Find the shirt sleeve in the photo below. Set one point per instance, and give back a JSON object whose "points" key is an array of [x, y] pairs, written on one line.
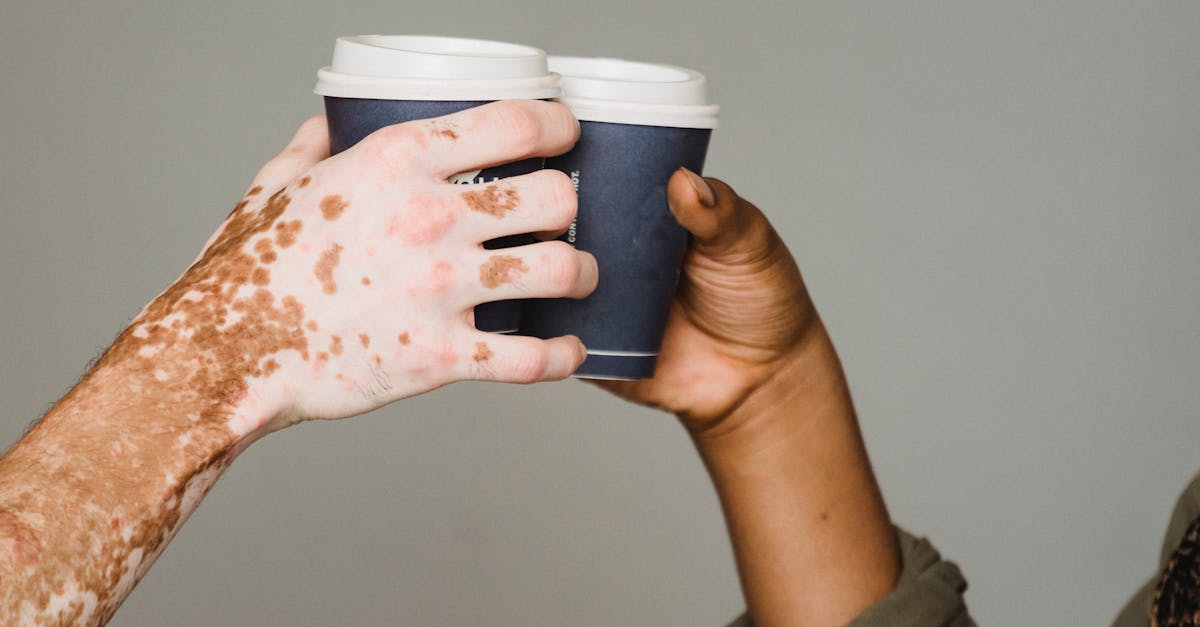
{"points": [[929, 592], [1187, 509]]}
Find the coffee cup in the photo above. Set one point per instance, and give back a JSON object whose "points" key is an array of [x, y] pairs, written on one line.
{"points": [[639, 122]]}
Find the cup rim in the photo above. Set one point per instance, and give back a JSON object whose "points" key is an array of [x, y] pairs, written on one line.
{"points": [[337, 85], [606, 89], [435, 57], [431, 67]]}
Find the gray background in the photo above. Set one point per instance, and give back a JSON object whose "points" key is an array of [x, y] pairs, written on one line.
{"points": [[996, 207]]}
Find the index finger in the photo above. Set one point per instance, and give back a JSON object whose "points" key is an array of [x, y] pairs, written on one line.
{"points": [[496, 133]]}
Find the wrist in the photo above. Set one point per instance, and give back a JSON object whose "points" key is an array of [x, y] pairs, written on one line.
{"points": [[157, 443], [804, 386], [185, 380]]}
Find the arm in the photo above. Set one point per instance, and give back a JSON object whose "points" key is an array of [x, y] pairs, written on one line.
{"points": [[812, 538], [749, 369], [335, 286]]}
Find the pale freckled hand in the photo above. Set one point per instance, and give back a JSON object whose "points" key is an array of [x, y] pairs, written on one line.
{"points": [[341, 284], [335, 286]]}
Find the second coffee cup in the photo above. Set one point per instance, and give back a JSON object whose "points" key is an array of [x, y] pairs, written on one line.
{"points": [[379, 80], [639, 123]]}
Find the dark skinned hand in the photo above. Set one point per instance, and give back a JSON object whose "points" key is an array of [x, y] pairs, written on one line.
{"points": [[741, 311]]}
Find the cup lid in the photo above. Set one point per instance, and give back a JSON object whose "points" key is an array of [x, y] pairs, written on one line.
{"points": [[631, 92], [418, 67]]}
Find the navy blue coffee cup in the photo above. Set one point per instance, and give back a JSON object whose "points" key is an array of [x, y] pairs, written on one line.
{"points": [[376, 81], [639, 123]]}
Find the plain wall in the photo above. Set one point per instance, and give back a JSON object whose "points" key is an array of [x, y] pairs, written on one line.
{"points": [[996, 206]]}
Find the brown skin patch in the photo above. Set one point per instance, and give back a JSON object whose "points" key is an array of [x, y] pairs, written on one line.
{"points": [[25, 545], [366, 281], [444, 129], [332, 206], [238, 208], [260, 277], [265, 251], [157, 382], [378, 360], [404, 339], [303, 182], [325, 266], [482, 352], [285, 233], [364, 339], [322, 356], [494, 200], [222, 269], [335, 345], [499, 269], [311, 325], [254, 191]]}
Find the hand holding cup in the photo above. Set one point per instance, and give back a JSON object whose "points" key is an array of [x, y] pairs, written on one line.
{"points": [[741, 312], [340, 284]]}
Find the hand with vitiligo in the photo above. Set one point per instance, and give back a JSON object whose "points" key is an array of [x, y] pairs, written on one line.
{"points": [[336, 285], [358, 274]]}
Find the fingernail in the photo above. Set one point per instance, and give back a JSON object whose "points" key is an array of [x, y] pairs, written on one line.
{"points": [[703, 191]]}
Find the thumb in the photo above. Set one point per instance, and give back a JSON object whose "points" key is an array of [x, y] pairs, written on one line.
{"points": [[721, 223], [309, 146]]}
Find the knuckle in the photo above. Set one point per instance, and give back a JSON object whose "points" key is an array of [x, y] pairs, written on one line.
{"points": [[563, 266], [389, 139], [565, 120], [564, 198], [390, 147], [529, 366], [296, 149], [274, 168], [520, 123], [312, 125], [589, 260]]}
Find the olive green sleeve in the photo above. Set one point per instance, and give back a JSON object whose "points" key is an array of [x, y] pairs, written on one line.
{"points": [[1187, 509], [929, 592]]}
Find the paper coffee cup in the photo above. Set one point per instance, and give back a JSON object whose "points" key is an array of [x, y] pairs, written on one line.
{"points": [[379, 80], [639, 123]]}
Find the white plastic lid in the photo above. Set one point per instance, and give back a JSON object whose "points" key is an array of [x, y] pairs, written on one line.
{"points": [[416, 67], [631, 92]]}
